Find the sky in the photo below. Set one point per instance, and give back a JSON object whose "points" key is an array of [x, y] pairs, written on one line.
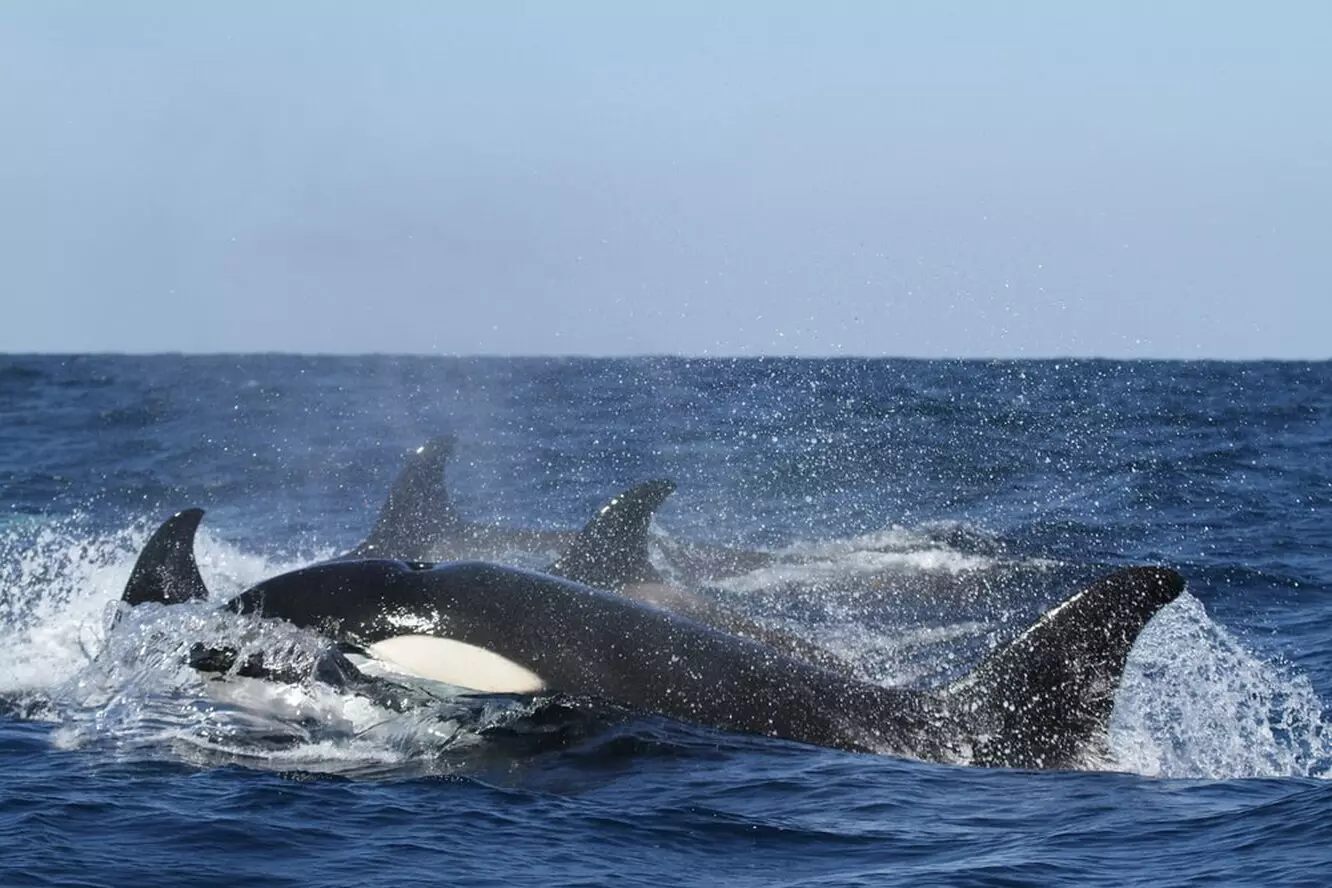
{"points": [[916, 179]]}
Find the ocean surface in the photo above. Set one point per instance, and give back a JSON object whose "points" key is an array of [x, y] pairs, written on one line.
{"points": [[931, 510]]}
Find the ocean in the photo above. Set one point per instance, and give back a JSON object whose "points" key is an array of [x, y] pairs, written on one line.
{"points": [[927, 511]]}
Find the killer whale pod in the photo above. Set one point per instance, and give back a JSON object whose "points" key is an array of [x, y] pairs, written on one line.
{"points": [[419, 522], [1040, 701]]}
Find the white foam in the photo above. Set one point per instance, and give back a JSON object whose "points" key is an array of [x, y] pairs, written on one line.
{"points": [[1195, 703], [130, 691], [894, 548], [854, 562], [59, 581], [893, 538]]}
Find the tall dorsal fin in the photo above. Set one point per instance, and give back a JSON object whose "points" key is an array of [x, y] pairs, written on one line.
{"points": [[1045, 698], [417, 511], [612, 549], [166, 571]]}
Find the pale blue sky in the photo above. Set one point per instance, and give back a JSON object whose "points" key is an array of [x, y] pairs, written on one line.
{"points": [[920, 179]]}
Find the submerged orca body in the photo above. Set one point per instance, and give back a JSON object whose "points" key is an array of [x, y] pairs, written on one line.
{"points": [[418, 521], [1041, 701], [611, 552]]}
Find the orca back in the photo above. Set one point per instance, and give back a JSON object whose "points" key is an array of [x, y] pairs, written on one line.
{"points": [[417, 512], [612, 549], [166, 571], [1044, 699]]}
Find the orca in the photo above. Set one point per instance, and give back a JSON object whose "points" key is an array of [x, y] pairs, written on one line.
{"points": [[611, 552], [166, 573], [1042, 701], [419, 522]]}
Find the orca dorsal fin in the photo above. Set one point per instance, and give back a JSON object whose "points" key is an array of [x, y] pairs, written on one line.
{"points": [[166, 571], [417, 511], [612, 549], [1045, 698]]}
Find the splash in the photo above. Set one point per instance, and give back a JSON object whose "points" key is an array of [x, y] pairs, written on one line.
{"points": [[1194, 703], [117, 681], [57, 580], [942, 547], [138, 698], [129, 690]]}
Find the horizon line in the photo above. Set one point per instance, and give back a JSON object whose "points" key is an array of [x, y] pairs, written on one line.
{"points": [[671, 356]]}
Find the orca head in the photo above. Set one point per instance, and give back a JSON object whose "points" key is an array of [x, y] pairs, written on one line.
{"points": [[166, 571], [612, 549]]}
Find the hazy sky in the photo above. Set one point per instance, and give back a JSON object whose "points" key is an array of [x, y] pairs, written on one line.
{"points": [[938, 178]]}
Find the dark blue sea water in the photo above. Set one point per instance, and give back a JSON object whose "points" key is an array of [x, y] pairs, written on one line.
{"points": [[937, 508]]}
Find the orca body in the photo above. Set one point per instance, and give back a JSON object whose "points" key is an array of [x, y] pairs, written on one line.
{"points": [[1041, 701], [418, 523], [505, 630], [166, 573], [611, 552]]}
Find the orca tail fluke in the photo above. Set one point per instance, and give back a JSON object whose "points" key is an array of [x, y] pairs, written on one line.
{"points": [[1044, 699], [417, 512], [612, 549], [166, 571]]}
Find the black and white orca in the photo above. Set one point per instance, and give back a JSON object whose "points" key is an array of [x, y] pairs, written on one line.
{"points": [[1041, 701]]}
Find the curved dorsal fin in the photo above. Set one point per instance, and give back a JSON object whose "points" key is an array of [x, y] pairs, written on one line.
{"points": [[417, 511], [166, 571], [1047, 695], [612, 549]]}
